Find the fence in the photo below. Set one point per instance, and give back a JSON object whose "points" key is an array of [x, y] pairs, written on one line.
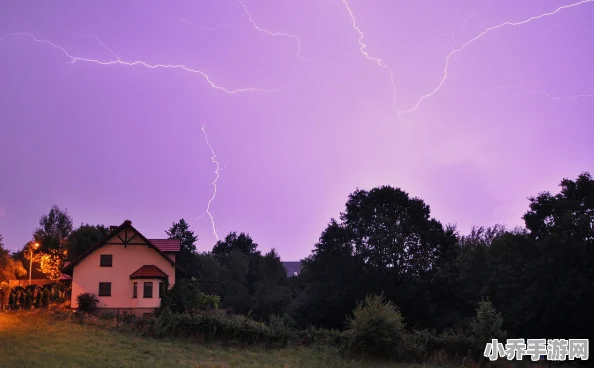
{"points": [[38, 282]]}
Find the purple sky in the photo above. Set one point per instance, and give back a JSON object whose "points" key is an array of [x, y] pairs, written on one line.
{"points": [[114, 141]]}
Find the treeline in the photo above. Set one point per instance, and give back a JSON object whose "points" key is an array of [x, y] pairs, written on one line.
{"points": [[538, 278]]}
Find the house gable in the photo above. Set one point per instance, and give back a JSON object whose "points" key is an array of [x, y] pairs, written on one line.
{"points": [[118, 266], [125, 235]]}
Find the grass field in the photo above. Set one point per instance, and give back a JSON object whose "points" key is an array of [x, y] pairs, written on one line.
{"points": [[32, 339]]}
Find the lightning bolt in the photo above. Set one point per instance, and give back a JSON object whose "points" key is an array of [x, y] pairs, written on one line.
{"points": [[214, 183], [479, 36], [547, 95], [119, 61], [557, 26], [366, 54], [256, 27]]}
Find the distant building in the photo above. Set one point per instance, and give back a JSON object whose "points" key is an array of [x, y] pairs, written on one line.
{"points": [[293, 268], [127, 271]]}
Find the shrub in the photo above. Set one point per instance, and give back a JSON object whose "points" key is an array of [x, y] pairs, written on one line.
{"points": [[45, 299], [38, 299], [87, 302], [485, 326], [417, 345], [279, 330], [106, 315], [455, 344], [313, 335], [28, 300], [164, 323], [186, 297], [21, 298], [376, 329]]}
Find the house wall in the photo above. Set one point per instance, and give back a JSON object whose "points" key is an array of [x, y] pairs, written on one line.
{"points": [[87, 274]]}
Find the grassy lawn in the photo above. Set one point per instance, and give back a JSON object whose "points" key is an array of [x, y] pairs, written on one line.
{"points": [[31, 339]]}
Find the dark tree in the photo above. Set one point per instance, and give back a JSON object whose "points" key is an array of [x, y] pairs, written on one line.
{"points": [[271, 289], [386, 243], [242, 242], [331, 280], [84, 238], [181, 230], [11, 268], [562, 264], [207, 270], [234, 284], [55, 227]]}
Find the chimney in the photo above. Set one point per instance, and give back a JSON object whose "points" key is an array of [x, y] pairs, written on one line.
{"points": [[128, 223]]}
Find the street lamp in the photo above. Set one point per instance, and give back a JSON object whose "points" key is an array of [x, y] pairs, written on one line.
{"points": [[34, 245]]}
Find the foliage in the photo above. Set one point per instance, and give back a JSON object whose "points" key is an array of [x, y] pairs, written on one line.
{"points": [[11, 300], [321, 336], [186, 297], [10, 269], [217, 325], [84, 238], [376, 328], [181, 230], [83, 346], [486, 325], [28, 303], [87, 302], [45, 299], [455, 291], [242, 243], [38, 299], [54, 229], [386, 243], [51, 263]]}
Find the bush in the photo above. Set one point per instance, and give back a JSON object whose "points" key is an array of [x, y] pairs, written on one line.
{"points": [[11, 301], [106, 315], [186, 297], [28, 300], [417, 345], [485, 326], [376, 329], [38, 299], [21, 298], [279, 330], [45, 299], [455, 344], [87, 302], [313, 335]]}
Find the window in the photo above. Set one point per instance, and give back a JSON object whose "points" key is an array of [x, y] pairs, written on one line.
{"points": [[105, 289], [135, 294], [148, 290], [161, 289], [106, 260]]}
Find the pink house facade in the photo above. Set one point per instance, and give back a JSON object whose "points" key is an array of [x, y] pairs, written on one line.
{"points": [[128, 272]]}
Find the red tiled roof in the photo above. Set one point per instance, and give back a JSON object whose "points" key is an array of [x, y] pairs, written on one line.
{"points": [[69, 268], [148, 271], [167, 245]]}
